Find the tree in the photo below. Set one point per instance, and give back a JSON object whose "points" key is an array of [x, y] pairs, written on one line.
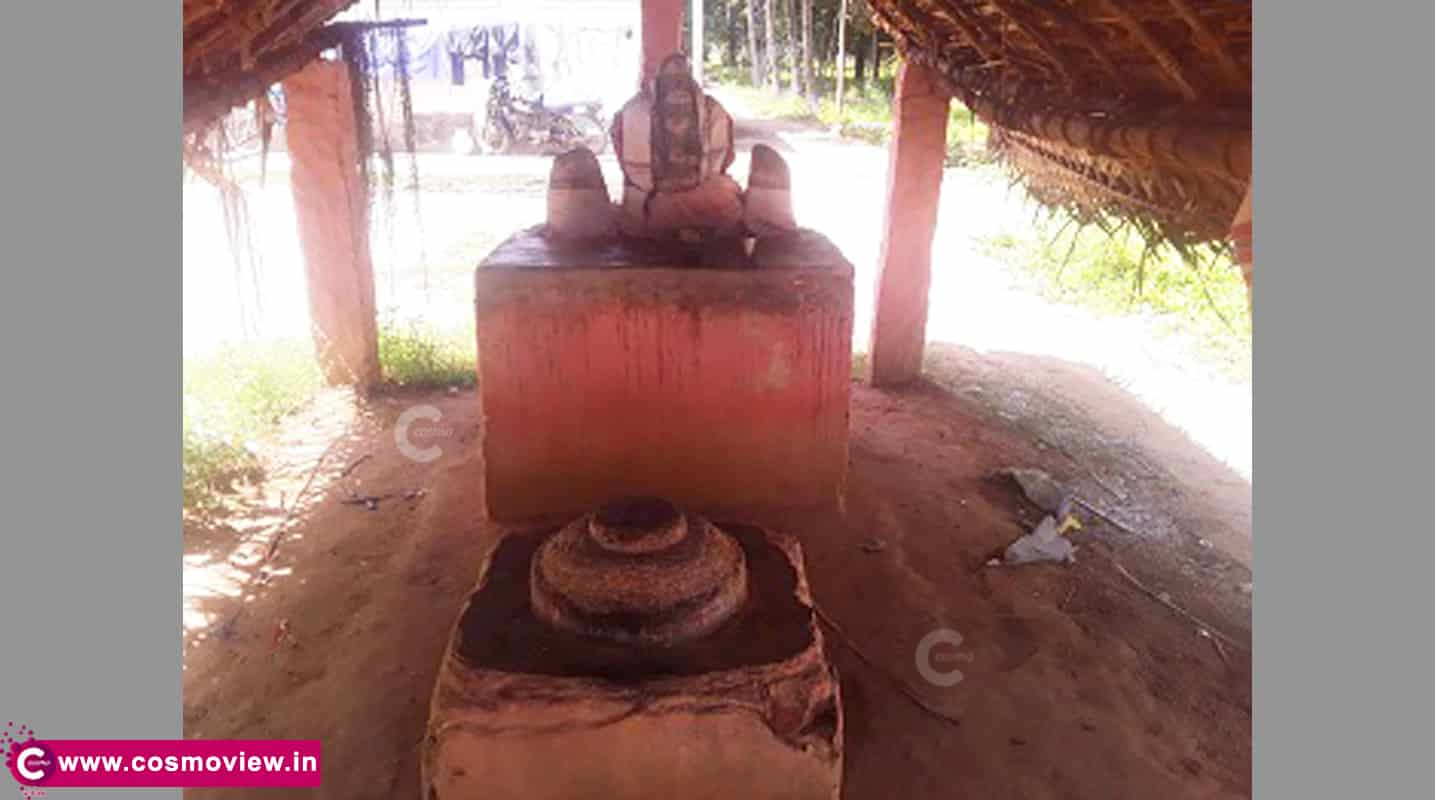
{"points": [[807, 85], [754, 55], [806, 36], [875, 55], [794, 57], [729, 35], [859, 64], [864, 35], [841, 54], [770, 59]]}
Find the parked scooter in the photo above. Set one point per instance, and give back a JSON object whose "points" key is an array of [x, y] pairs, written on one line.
{"points": [[512, 122]]}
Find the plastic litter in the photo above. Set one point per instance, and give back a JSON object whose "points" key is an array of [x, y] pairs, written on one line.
{"points": [[1043, 545]]}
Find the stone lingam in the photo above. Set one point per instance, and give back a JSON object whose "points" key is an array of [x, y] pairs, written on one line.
{"points": [[637, 652]]}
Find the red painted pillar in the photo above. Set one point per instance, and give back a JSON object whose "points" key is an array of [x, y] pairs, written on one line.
{"points": [[330, 205], [662, 33], [914, 184]]}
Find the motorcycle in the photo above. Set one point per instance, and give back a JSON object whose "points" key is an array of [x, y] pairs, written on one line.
{"points": [[512, 122]]}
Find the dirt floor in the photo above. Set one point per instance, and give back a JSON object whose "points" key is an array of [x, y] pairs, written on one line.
{"points": [[1089, 680]]}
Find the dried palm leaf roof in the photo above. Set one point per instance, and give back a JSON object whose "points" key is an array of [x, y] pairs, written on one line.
{"points": [[233, 49], [1139, 109], [221, 35]]}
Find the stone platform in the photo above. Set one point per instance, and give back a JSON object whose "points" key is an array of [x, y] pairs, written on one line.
{"points": [[666, 683], [710, 376]]}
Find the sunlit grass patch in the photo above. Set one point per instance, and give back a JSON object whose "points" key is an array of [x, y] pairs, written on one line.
{"points": [[413, 354], [1203, 301], [233, 398]]}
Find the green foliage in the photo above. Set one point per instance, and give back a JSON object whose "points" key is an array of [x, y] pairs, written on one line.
{"points": [[723, 75], [415, 355], [1202, 300], [966, 138], [232, 399]]}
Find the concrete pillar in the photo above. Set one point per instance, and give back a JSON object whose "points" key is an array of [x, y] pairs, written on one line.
{"points": [[662, 33], [914, 185], [331, 208]]}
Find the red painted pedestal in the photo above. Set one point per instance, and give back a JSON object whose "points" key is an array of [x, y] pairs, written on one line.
{"points": [[622, 369]]}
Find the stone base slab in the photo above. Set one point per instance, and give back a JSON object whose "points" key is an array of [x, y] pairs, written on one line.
{"points": [[752, 711]]}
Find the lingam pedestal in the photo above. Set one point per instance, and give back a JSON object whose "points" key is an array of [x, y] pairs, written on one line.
{"points": [[708, 375], [639, 652]]}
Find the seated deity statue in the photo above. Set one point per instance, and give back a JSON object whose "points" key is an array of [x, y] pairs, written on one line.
{"points": [[674, 145]]}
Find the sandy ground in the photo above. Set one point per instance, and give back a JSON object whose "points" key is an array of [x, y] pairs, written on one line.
{"points": [[1080, 681], [1077, 683]]}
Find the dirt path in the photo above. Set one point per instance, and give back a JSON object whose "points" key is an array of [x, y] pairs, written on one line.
{"points": [[1077, 683]]}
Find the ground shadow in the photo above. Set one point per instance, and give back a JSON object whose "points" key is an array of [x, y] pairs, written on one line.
{"points": [[1109, 443]]}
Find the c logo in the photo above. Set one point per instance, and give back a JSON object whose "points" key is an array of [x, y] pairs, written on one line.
{"points": [[423, 455], [943, 678], [35, 764]]}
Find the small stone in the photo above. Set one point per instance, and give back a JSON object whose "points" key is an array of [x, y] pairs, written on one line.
{"points": [[767, 204], [578, 203], [768, 169], [577, 169]]}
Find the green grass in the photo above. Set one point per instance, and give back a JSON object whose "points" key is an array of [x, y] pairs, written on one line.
{"points": [[232, 399], [236, 397], [413, 354], [1204, 304]]}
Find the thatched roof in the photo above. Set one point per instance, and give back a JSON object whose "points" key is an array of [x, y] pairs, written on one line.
{"points": [[1137, 108], [233, 49]]}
